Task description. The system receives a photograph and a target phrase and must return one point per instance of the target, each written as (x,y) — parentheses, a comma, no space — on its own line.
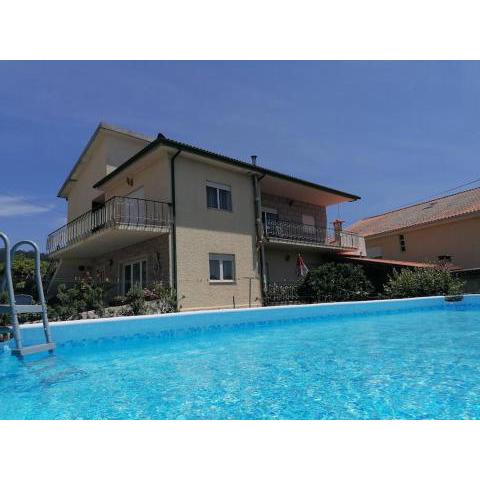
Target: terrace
(119,222)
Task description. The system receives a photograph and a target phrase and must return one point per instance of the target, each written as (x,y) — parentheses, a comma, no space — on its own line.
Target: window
(308,224)
(222,268)
(401,239)
(269,216)
(134,275)
(219,196)
(375,252)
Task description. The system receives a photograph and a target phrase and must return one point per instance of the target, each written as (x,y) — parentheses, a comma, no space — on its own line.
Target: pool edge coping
(94,321)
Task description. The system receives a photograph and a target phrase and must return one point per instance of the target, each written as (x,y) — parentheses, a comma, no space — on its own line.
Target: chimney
(254,160)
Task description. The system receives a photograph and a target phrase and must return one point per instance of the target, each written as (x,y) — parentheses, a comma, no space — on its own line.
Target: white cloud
(14,206)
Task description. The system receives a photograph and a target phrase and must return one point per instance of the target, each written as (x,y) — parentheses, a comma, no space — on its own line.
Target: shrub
(118,300)
(136,304)
(422,282)
(157,299)
(165,298)
(282,293)
(86,294)
(335,282)
(23,273)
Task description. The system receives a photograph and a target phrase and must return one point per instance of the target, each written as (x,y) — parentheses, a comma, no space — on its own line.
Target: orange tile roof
(430,211)
(400,263)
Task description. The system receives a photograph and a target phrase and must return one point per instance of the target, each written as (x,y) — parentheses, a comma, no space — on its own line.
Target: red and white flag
(302,269)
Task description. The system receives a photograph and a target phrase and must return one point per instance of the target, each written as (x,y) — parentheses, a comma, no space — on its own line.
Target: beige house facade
(216,229)
(445,229)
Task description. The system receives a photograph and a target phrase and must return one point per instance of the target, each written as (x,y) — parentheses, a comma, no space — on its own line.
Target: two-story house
(218,230)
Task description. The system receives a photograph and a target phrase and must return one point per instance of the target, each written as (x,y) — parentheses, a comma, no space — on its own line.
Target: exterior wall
(155,252)
(282,263)
(152,173)
(119,148)
(457,239)
(294,212)
(82,193)
(110,152)
(201,231)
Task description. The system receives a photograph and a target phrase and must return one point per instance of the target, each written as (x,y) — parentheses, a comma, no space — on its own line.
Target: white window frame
(265,211)
(218,187)
(131,263)
(221,257)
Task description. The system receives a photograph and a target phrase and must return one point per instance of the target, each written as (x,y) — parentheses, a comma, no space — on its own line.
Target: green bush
(23,273)
(422,282)
(136,304)
(282,293)
(335,282)
(86,294)
(165,298)
(118,300)
(157,299)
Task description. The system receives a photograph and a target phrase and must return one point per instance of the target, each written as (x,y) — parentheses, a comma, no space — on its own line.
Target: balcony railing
(120,212)
(300,233)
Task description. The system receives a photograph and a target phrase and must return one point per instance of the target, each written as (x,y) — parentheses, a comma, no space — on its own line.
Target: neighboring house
(445,229)
(218,230)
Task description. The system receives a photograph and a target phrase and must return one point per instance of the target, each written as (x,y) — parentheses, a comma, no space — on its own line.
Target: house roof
(423,213)
(102,126)
(163,141)
(400,263)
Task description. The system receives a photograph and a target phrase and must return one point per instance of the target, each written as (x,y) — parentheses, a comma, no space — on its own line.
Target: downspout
(174,223)
(259,230)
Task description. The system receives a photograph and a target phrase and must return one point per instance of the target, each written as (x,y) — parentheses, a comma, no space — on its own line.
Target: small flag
(302,269)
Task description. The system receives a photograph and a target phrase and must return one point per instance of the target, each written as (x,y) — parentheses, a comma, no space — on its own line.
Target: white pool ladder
(20,304)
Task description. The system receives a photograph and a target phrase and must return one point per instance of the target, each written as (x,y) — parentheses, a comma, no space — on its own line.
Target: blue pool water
(411,364)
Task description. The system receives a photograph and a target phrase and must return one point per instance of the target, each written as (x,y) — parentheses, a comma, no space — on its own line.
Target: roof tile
(430,211)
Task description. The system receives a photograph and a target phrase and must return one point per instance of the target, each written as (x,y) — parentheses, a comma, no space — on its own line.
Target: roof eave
(100,126)
(215,156)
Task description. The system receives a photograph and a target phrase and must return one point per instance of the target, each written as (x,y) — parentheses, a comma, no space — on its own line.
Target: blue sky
(391,132)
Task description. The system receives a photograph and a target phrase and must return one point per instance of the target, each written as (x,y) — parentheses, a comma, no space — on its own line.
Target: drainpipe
(259,230)
(173,234)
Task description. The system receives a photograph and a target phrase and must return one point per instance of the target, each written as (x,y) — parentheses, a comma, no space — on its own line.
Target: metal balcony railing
(122,212)
(298,232)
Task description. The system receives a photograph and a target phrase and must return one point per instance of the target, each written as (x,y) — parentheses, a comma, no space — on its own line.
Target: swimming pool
(402,359)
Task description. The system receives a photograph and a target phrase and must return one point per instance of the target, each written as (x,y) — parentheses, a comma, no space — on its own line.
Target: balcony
(285,232)
(119,222)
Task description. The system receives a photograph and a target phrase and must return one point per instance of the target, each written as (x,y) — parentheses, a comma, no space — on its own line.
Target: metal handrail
(38,282)
(299,232)
(117,211)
